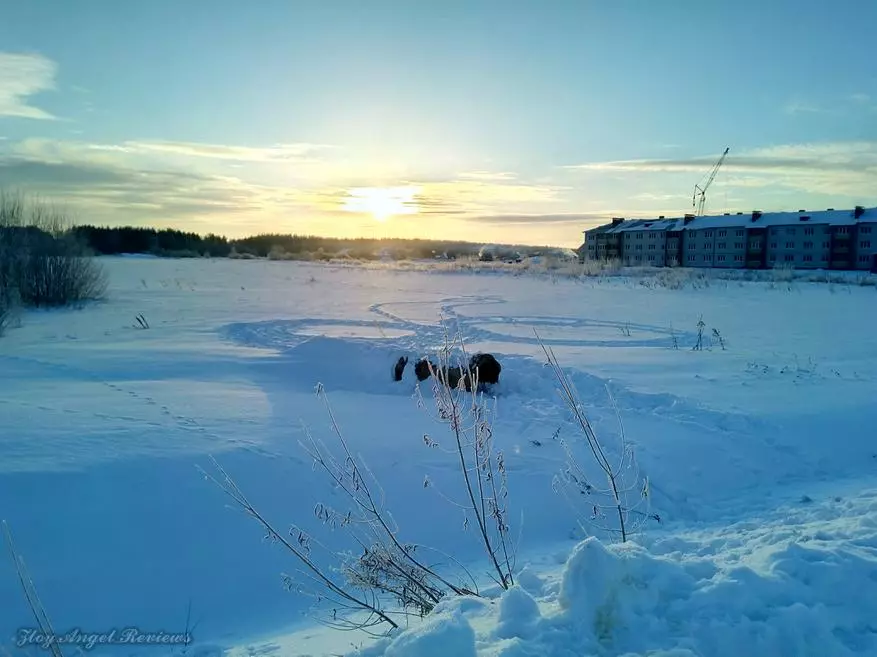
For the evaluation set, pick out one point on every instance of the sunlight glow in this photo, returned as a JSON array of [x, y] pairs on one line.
[[381, 202]]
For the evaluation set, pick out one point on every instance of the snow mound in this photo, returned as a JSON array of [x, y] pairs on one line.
[[799, 584], [437, 637], [518, 612]]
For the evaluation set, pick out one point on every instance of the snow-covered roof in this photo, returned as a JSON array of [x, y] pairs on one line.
[[745, 219], [830, 217], [646, 225]]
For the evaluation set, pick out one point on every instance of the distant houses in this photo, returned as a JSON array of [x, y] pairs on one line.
[[825, 239]]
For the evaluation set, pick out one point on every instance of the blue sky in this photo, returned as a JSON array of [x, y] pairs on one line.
[[513, 121]]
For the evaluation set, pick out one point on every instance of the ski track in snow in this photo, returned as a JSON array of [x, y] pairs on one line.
[[757, 504]]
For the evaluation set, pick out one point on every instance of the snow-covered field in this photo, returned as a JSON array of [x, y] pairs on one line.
[[762, 457]]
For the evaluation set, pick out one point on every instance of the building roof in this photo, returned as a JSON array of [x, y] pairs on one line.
[[830, 217], [741, 220], [599, 229], [647, 225]]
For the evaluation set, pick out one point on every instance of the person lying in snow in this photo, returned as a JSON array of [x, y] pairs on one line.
[[483, 368]]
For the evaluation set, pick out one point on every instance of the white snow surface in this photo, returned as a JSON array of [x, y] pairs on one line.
[[762, 457]]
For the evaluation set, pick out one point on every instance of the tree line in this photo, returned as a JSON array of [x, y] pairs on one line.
[[170, 242]]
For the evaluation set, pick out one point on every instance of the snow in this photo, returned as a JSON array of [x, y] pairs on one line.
[[761, 457]]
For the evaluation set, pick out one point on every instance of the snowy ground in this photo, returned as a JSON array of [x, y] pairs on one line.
[[762, 457]]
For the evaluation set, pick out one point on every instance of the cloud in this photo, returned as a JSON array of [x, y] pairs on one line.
[[187, 184], [275, 153], [651, 196], [802, 107], [483, 197], [488, 175], [22, 76], [842, 156], [541, 219], [832, 168]]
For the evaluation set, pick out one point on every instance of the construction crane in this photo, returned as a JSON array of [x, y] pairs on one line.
[[699, 198]]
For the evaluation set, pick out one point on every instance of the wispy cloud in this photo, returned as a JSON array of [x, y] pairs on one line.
[[488, 175], [541, 219], [803, 107], [274, 153], [843, 168], [846, 156], [182, 183], [22, 76]]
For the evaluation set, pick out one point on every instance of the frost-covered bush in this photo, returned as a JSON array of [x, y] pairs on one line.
[[41, 262]]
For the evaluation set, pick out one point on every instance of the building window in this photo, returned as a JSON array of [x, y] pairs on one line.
[[826, 245], [790, 245], [706, 258], [740, 233], [755, 244], [808, 245], [651, 258], [692, 246], [863, 258], [639, 236], [843, 230], [721, 258], [808, 231], [708, 233], [808, 258], [722, 233], [738, 245], [651, 247], [639, 247], [738, 258], [721, 245], [790, 257], [865, 244], [773, 245], [865, 230]]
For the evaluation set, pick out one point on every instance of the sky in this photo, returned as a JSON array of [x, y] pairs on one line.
[[491, 121]]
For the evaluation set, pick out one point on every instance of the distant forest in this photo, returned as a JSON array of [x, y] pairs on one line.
[[176, 243]]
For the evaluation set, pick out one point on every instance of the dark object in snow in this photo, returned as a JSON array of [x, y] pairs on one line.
[[485, 368], [399, 368], [422, 369]]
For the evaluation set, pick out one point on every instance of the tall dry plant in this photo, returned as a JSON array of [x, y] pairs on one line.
[[605, 488], [30, 595], [482, 467], [379, 580]]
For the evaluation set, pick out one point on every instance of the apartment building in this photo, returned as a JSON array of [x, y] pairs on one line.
[[826, 239]]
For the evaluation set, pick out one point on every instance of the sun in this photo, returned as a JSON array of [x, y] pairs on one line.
[[381, 202]]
